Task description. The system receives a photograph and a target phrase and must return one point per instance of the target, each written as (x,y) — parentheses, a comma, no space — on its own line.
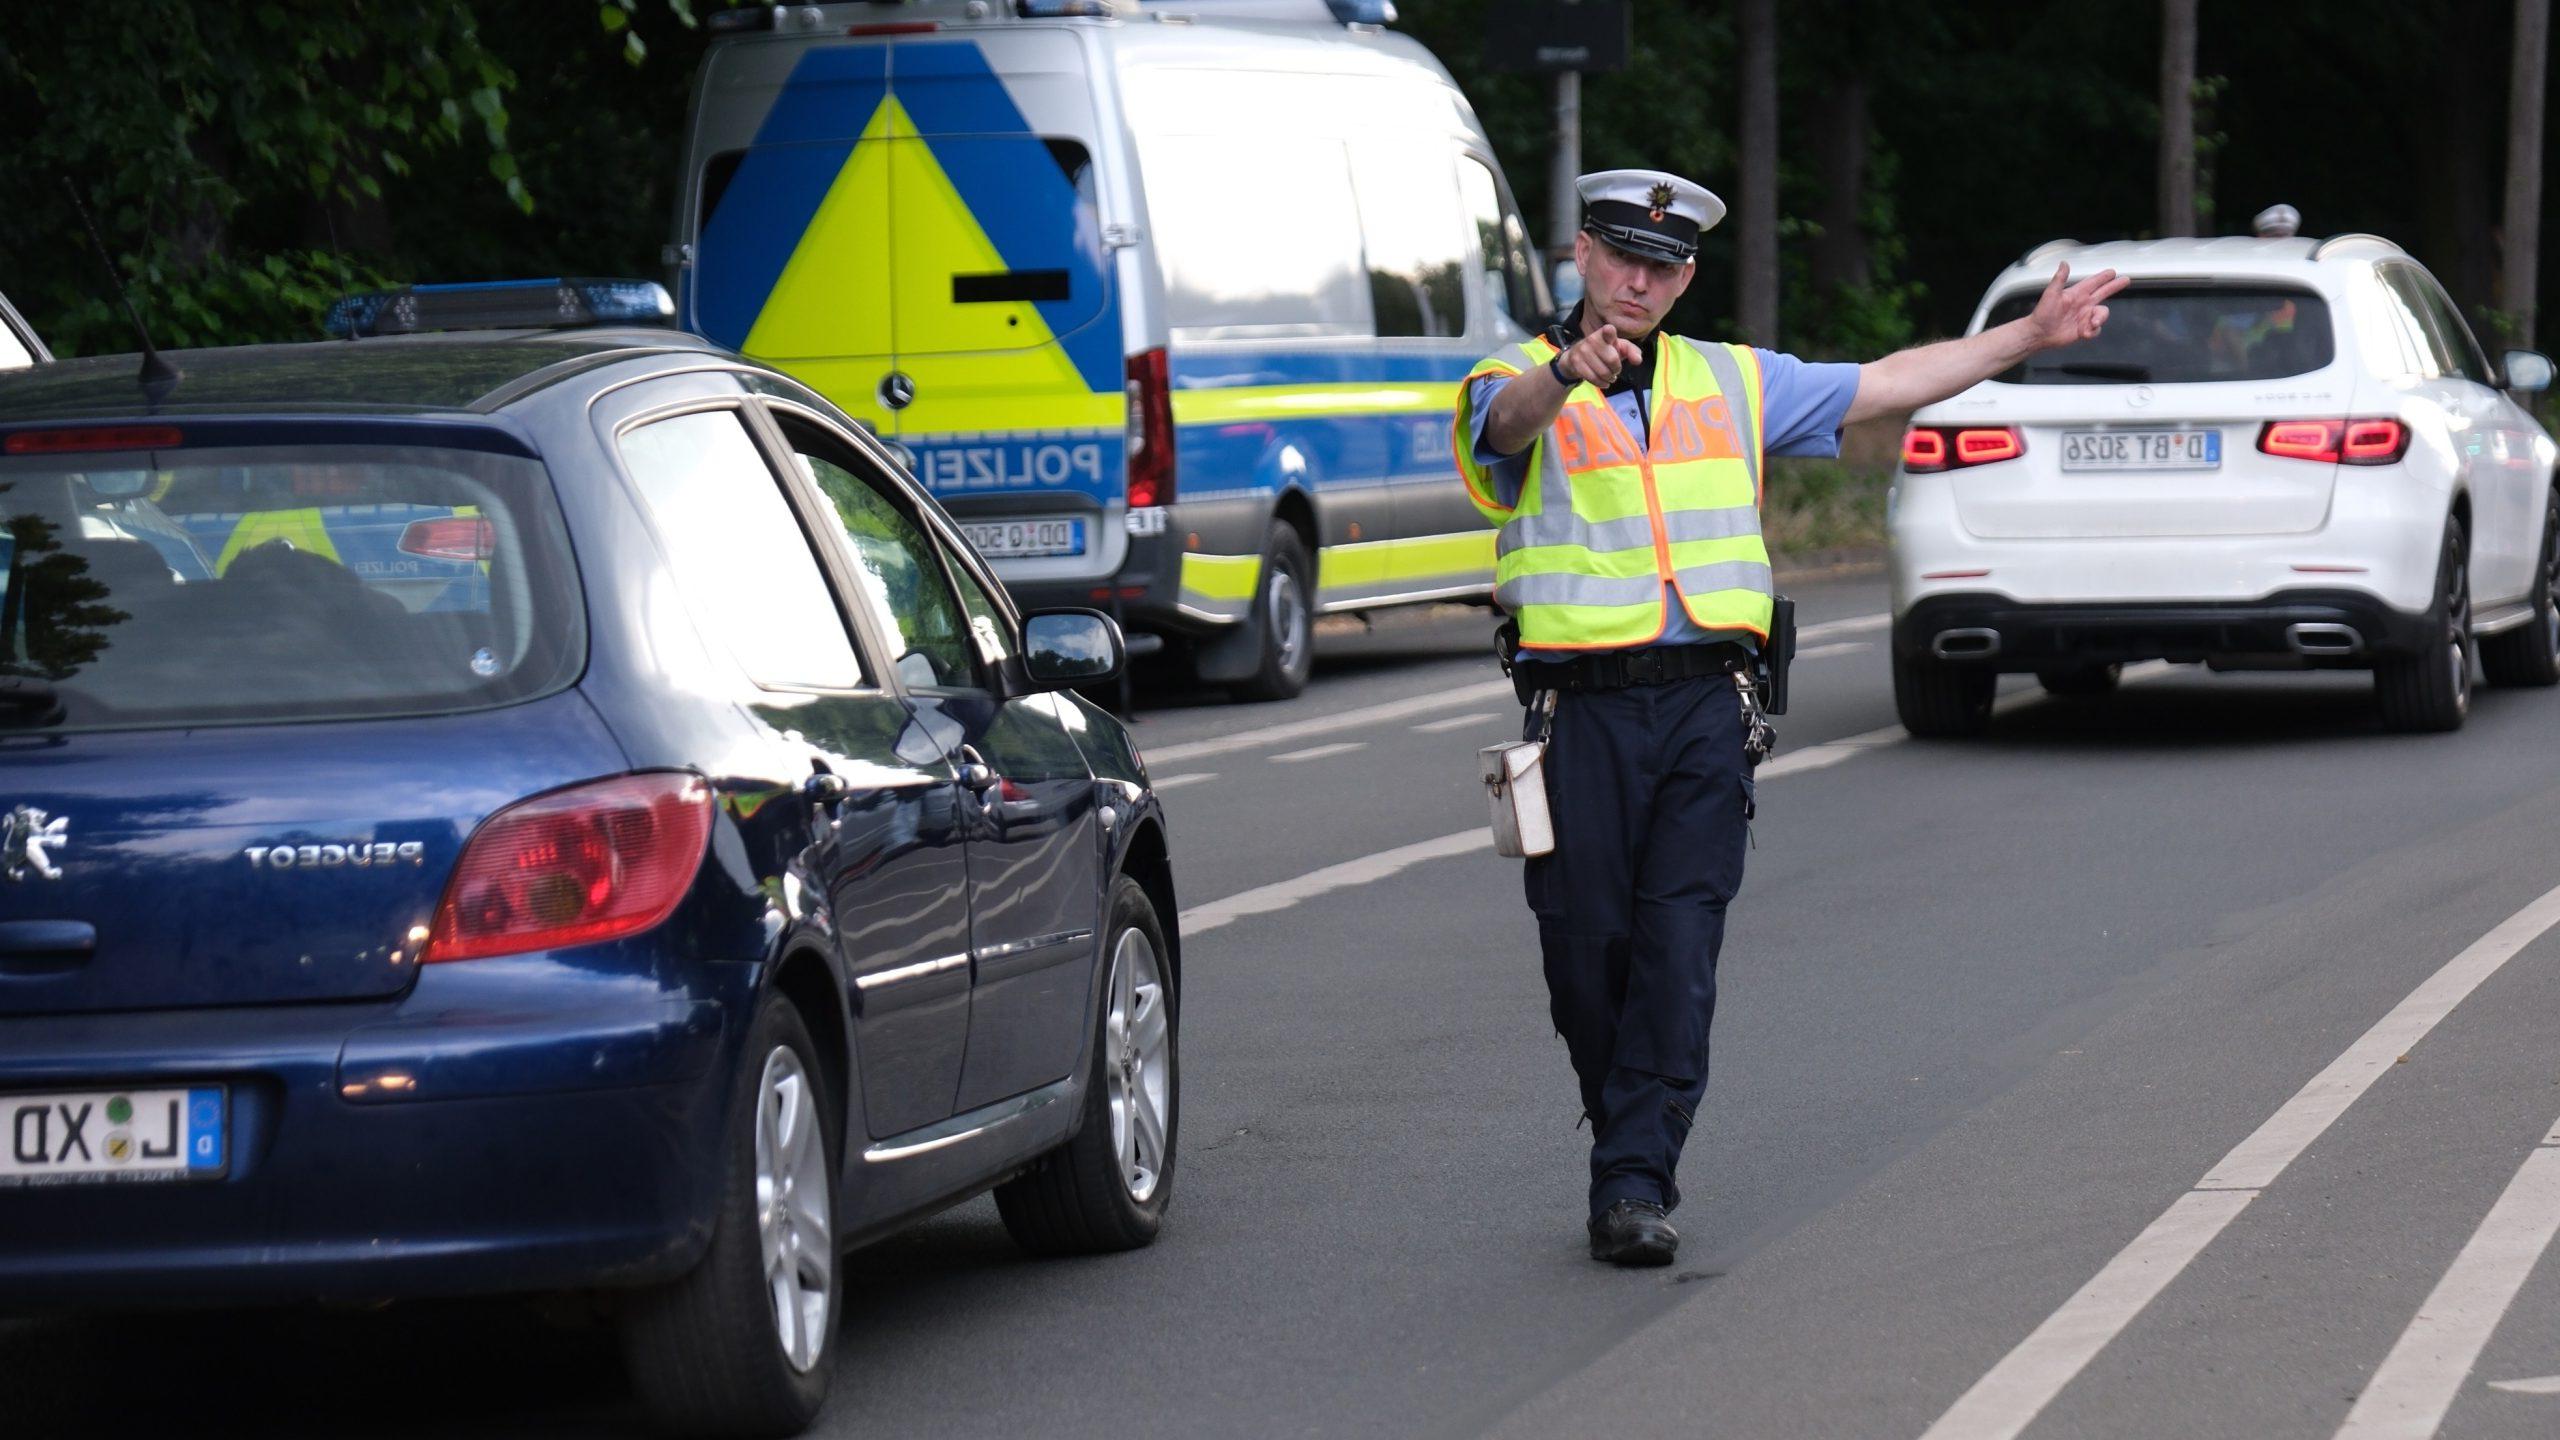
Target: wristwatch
(1557,371)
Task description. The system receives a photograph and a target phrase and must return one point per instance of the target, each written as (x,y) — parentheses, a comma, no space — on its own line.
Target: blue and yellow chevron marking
(880,175)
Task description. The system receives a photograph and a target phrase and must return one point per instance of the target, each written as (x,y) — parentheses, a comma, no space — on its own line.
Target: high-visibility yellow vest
(1602,522)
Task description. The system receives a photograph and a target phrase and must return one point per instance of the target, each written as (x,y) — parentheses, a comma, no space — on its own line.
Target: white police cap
(1652,213)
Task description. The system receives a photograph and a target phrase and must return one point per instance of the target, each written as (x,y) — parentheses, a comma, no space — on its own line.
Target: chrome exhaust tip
(2324,639)
(1975,644)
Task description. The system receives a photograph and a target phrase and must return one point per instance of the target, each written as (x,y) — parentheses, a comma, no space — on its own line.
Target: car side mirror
(1065,648)
(2527,370)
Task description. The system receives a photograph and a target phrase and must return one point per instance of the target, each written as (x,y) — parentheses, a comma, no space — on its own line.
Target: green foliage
(1814,506)
(211,140)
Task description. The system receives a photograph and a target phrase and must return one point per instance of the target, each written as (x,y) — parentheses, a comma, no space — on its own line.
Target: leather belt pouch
(1515,779)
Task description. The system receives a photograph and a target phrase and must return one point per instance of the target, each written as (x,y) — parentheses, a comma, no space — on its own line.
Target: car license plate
(1013,539)
(97,1136)
(2141,449)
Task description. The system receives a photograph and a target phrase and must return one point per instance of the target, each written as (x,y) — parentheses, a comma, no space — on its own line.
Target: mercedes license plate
(97,1136)
(1014,539)
(2141,449)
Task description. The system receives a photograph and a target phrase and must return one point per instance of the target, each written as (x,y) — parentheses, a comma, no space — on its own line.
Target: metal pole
(1563,208)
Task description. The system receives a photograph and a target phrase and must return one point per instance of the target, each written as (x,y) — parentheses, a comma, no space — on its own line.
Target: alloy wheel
(2457,619)
(1287,616)
(792,1219)
(1138,1064)
(2551,576)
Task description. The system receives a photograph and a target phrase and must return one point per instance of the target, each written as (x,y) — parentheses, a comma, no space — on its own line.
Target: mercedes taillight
(2377,440)
(1947,447)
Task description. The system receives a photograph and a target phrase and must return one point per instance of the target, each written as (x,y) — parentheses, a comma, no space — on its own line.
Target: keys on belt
(1759,737)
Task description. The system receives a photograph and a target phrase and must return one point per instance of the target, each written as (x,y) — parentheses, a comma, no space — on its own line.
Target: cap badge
(1659,198)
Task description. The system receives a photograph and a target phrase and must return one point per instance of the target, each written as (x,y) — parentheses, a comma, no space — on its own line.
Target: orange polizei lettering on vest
(1675,434)
(1717,421)
(1570,442)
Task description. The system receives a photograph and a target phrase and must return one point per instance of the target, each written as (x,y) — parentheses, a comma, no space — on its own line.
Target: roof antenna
(158,376)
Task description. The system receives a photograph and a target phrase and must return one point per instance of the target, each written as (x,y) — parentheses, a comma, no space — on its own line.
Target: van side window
(1415,241)
(1510,264)
(1257,234)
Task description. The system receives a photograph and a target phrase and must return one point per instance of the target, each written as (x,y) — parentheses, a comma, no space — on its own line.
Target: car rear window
(2184,334)
(238,586)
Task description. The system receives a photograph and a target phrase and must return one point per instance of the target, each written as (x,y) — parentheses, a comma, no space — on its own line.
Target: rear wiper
(29,699)
(2098,369)
(21,691)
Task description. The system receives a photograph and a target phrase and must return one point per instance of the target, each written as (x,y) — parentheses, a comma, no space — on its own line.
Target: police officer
(1624,468)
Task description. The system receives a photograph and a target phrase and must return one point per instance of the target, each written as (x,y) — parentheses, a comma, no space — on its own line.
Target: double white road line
(2417,1382)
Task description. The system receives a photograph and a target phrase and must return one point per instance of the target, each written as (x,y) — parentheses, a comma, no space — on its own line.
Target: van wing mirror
(2526,370)
(1066,648)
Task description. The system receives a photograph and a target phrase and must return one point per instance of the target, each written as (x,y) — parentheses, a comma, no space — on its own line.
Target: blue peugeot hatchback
(545,810)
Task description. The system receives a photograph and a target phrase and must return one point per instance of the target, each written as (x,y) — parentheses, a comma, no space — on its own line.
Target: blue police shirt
(1803,404)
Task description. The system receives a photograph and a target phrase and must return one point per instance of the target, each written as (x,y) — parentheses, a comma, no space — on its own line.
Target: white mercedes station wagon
(2282,453)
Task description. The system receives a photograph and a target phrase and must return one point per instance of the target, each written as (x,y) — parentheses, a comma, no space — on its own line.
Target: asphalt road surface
(2178,1063)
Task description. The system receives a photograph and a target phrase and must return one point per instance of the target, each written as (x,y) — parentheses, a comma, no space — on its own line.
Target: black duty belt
(1618,669)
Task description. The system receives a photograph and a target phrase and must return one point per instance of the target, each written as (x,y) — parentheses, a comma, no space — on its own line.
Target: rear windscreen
(2184,334)
(227,586)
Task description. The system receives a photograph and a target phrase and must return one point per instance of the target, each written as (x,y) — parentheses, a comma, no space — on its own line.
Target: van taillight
(593,862)
(1946,447)
(1150,430)
(2377,440)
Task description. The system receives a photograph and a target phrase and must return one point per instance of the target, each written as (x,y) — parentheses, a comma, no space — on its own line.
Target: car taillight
(2379,440)
(1947,447)
(593,862)
(1150,430)
(456,537)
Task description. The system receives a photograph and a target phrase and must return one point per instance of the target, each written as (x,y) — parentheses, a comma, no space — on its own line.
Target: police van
(1167,301)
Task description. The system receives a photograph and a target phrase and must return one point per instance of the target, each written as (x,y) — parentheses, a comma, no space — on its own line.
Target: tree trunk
(1756,278)
(2177,117)
(1840,144)
(2520,240)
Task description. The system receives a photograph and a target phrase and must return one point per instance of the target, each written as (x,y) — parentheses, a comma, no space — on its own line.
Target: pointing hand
(1597,358)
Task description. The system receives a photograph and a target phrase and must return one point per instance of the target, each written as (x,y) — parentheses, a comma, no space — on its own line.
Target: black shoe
(1633,1232)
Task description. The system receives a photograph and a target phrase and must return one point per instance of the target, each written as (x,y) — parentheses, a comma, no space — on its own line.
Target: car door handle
(822,786)
(975,773)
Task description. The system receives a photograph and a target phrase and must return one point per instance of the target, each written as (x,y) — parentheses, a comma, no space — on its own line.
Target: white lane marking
(2008,1399)
(1854,625)
(1175,782)
(1324,724)
(1318,752)
(2539,1385)
(2408,1396)
(1264,899)
(1844,647)
(1456,722)
(1827,754)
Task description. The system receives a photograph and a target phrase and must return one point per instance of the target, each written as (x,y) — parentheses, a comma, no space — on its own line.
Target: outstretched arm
(1925,374)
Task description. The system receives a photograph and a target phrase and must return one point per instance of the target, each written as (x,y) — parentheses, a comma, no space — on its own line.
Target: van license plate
(101,1136)
(1013,539)
(2141,449)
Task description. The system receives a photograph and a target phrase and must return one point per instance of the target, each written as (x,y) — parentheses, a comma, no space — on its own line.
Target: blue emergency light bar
(559,304)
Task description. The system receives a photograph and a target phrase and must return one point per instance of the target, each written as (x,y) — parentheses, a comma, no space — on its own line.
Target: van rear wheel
(1284,619)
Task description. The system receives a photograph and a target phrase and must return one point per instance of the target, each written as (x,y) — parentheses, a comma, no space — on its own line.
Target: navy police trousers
(1651,801)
